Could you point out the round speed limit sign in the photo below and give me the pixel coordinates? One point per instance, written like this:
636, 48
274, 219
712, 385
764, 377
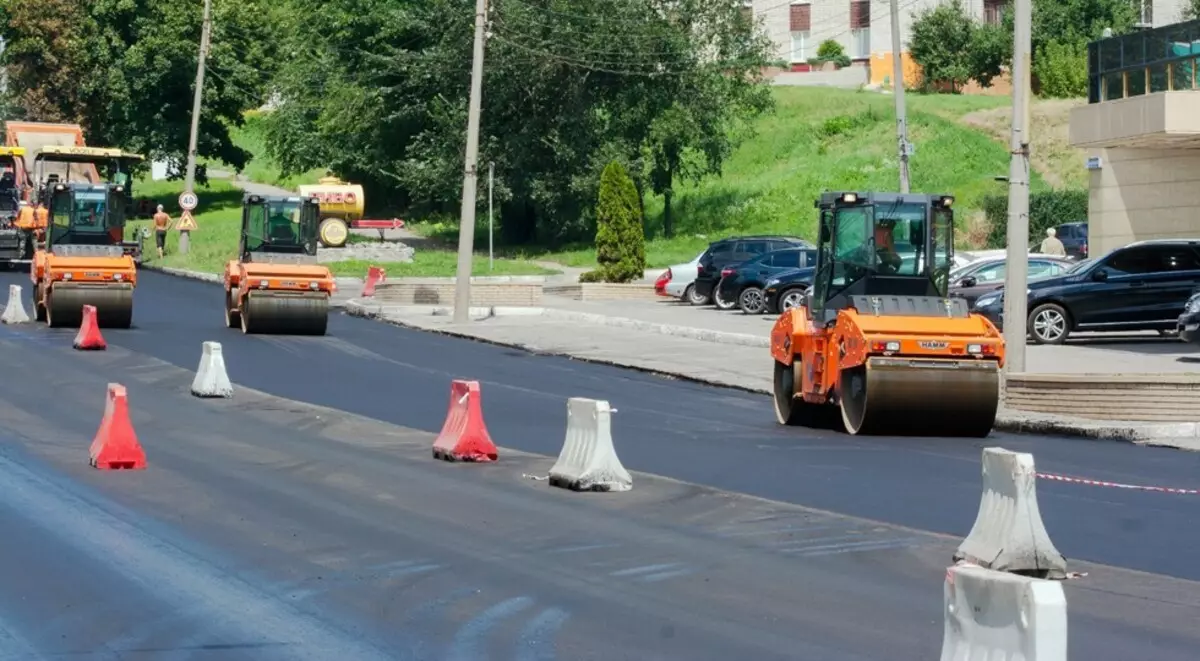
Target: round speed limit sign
188, 201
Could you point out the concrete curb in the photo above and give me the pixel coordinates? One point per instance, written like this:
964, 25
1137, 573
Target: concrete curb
360, 307
690, 332
1181, 435
183, 273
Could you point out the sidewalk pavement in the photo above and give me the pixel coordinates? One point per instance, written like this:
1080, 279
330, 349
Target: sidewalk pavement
721, 357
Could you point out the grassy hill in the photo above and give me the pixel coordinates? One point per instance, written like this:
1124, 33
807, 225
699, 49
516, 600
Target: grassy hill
819, 139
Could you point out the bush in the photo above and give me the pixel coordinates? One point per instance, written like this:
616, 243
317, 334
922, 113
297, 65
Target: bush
830, 51
1046, 209
1061, 70
620, 239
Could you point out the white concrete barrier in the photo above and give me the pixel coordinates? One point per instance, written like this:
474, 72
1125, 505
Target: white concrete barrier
588, 461
1009, 534
999, 616
14, 311
211, 379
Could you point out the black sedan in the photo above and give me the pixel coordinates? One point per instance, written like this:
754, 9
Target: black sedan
786, 290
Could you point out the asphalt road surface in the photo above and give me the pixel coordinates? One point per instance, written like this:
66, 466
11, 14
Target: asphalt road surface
270, 529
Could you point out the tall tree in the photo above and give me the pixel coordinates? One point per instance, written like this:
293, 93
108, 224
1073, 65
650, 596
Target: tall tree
941, 43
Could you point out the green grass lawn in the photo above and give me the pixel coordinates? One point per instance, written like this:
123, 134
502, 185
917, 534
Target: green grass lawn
219, 218
817, 139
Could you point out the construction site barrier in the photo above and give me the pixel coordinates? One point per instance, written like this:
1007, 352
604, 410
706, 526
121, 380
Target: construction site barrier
1009, 534
89, 338
999, 616
464, 436
116, 445
588, 461
14, 310
211, 379
376, 275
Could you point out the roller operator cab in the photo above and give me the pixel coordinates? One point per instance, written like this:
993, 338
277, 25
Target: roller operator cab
276, 285
877, 339
84, 261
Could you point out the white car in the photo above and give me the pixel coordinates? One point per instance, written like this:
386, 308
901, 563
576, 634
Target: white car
680, 279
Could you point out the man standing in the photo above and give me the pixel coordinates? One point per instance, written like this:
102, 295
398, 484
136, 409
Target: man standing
1051, 245
162, 223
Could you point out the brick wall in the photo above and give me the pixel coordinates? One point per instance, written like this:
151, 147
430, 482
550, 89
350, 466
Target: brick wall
602, 291
485, 292
1141, 397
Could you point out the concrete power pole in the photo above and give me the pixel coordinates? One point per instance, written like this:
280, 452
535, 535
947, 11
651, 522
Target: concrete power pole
1016, 302
898, 91
189, 183
466, 227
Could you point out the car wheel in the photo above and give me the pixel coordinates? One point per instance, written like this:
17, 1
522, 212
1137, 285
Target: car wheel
791, 298
1049, 323
695, 297
720, 301
752, 301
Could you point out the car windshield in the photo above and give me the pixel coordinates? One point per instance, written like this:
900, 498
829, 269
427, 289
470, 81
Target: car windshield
1080, 267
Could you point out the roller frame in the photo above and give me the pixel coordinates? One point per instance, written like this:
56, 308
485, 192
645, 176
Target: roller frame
65, 301
304, 313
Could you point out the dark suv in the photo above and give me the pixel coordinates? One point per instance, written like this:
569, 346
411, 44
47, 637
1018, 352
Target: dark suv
1074, 239
734, 250
1142, 286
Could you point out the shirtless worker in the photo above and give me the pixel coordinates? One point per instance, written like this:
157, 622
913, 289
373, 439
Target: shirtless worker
162, 223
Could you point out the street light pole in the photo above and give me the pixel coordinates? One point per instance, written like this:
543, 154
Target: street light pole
189, 183
466, 227
1016, 282
898, 91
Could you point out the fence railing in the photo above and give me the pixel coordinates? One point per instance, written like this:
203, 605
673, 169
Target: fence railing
1144, 62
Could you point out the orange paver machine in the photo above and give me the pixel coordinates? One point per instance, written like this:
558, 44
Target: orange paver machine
276, 285
877, 339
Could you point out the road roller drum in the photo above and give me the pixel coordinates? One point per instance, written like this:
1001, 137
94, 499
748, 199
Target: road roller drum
113, 302
285, 313
920, 397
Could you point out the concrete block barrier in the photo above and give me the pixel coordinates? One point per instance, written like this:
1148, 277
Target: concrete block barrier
211, 378
1009, 534
588, 461
1000, 616
14, 311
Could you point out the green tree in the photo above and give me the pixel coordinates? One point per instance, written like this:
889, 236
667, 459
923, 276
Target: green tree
1191, 11
941, 44
620, 242
1061, 69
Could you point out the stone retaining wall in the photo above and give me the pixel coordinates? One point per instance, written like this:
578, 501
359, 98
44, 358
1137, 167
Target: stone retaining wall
604, 291
1137, 397
508, 291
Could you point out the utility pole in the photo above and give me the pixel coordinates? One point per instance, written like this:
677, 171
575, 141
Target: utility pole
466, 227
1016, 303
491, 185
189, 183
898, 91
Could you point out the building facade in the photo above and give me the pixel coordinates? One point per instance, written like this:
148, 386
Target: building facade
1141, 133
863, 28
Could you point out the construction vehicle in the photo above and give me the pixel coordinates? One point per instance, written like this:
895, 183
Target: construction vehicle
33, 137
276, 285
84, 261
342, 206
877, 337
91, 166
15, 240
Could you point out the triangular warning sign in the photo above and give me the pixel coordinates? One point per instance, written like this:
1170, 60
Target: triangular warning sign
186, 222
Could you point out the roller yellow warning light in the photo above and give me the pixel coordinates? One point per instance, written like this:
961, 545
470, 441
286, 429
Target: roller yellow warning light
276, 285
877, 339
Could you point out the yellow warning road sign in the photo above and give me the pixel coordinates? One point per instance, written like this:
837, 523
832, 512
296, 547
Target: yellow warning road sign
186, 222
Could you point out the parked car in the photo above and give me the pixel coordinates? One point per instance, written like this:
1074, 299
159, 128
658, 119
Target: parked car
1141, 286
1074, 237
987, 275
1188, 324
744, 282
728, 252
786, 290
680, 279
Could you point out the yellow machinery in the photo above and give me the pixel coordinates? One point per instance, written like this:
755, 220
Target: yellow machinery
276, 285
342, 204
877, 336
16, 238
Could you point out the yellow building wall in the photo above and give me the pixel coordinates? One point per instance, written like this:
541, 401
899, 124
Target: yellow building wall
882, 66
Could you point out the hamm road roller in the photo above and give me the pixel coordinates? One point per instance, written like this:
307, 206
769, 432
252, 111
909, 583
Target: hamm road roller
84, 261
276, 285
877, 336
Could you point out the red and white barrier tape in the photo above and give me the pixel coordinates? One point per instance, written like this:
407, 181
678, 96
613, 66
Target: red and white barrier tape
1116, 485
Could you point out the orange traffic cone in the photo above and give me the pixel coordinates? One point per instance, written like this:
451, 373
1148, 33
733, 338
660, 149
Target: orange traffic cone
116, 445
89, 338
464, 437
